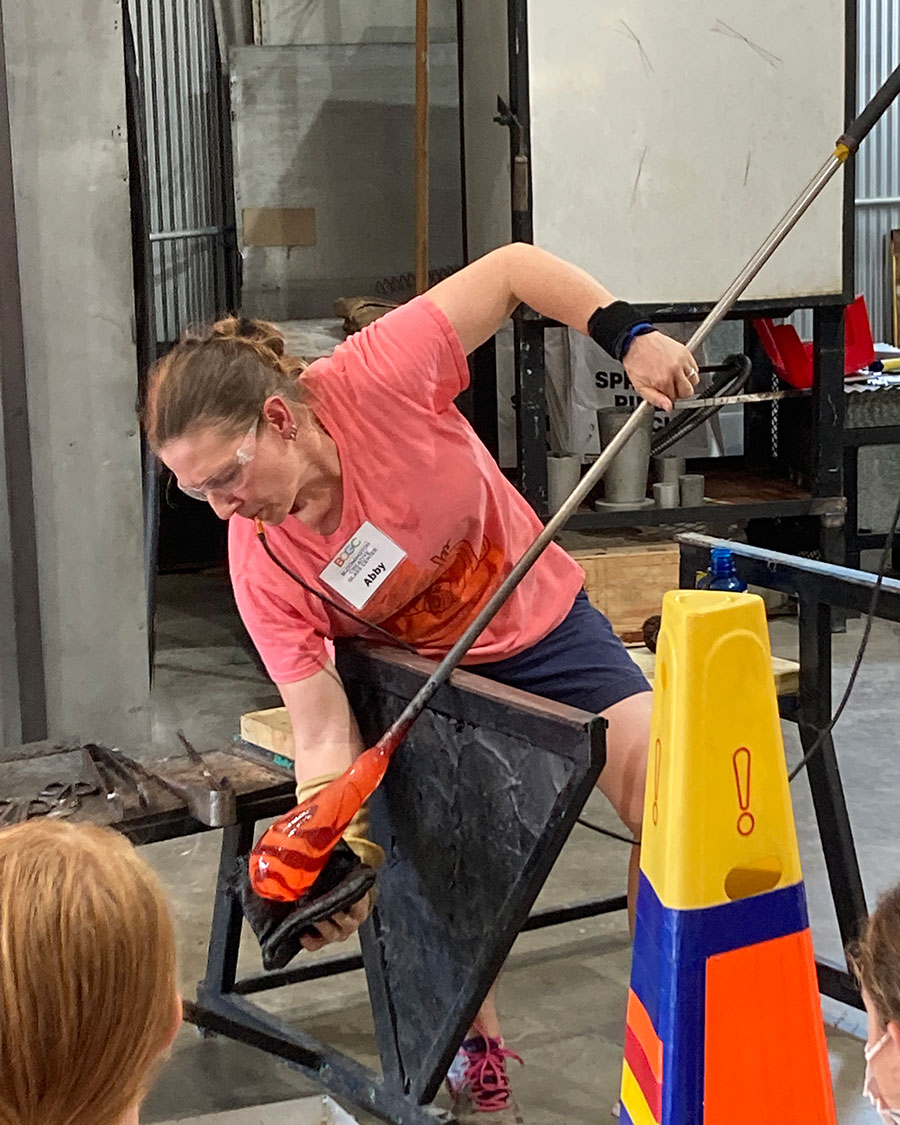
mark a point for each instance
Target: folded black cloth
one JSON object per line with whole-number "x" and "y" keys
{"x": 279, "y": 926}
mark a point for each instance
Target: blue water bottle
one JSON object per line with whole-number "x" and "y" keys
{"x": 721, "y": 574}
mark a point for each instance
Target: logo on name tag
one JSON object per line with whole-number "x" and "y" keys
{"x": 362, "y": 565}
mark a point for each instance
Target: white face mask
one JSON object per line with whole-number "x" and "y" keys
{"x": 870, "y": 1088}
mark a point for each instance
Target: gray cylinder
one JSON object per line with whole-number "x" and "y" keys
{"x": 563, "y": 473}
{"x": 669, "y": 469}
{"x": 626, "y": 477}
{"x": 665, "y": 493}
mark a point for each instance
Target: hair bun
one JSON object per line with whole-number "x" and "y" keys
{"x": 258, "y": 332}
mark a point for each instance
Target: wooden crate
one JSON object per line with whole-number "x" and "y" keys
{"x": 627, "y": 583}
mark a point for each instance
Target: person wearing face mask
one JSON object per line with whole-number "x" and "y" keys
{"x": 876, "y": 961}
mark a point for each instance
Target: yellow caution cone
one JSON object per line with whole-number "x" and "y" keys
{"x": 724, "y": 1023}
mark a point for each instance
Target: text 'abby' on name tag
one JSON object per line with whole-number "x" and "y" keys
{"x": 362, "y": 565}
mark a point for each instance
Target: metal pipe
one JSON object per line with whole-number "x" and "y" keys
{"x": 197, "y": 232}
{"x": 847, "y": 144}
{"x": 184, "y": 275}
{"x": 147, "y": 64}
{"x": 207, "y": 215}
{"x": 170, "y": 275}
{"x": 216, "y": 155}
{"x": 193, "y": 85}
{"x": 880, "y": 201}
{"x": 733, "y": 400}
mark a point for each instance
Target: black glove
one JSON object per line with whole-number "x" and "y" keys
{"x": 279, "y": 926}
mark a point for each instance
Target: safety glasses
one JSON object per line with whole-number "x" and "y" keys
{"x": 230, "y": 476}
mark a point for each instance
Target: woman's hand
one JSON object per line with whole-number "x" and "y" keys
{"x": 341, "y": 926}
{"x": 660, "y": 369}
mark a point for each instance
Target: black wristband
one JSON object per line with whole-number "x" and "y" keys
{"x": 613, "y": 326}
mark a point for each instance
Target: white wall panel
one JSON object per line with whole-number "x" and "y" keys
{"x": 668, "y": 139}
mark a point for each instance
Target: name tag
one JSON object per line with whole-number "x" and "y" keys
{"x": 362, "y": 565}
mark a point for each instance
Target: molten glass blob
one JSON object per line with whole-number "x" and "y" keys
{"x": 289, "y": 856}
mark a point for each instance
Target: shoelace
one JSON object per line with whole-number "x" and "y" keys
{"x": 486, "y": 1074}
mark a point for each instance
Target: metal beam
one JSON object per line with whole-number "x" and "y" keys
{"x": 829, "y": 584}
{"x": 32, "y": 702}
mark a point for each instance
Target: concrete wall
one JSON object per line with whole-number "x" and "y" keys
{"x": 67, "y": 106}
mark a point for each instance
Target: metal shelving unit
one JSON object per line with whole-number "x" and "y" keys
{"x": 855, "y": 439}
{"x": 823, "y": 472}
{"x": 824, "y": 441}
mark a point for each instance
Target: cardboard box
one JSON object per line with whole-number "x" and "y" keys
{"x": 278, "y": 226}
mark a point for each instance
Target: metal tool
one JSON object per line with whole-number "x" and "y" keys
{"x": 15, "y": 810}
{"x": 289, "y": 856}
{"x": 116, "y": 768}
{"x": 66, "y": 796}
{"x": 733, "y": 400}
{"x": 199, "y": 761}
{"x": 215, "y": 807}
{"x": 214, "y": 802}
{"x": 211, "y": 801}
{"x": 90, "y": 772}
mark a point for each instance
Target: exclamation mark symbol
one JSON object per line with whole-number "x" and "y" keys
{"x": 657, "y": 759}
{"x": 746, "y": 820}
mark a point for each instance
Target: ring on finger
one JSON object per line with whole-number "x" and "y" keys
{"x": 694, "y": 375}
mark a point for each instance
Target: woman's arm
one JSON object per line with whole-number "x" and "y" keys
{"x": 478, "y": 299}
{"x": 326, "y": 740}
{"x": 326, "y": 737}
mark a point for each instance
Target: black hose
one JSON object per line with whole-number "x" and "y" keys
{"x": 731, "y": 381}
{"x": 261, "y": 536}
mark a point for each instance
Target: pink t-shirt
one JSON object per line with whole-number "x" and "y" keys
{"x": 413, "y": 469}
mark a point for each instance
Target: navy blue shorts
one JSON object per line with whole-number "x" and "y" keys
{"x": 582, "y": 663}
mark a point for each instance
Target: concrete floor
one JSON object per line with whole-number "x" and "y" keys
{"x": 562, "y": 992}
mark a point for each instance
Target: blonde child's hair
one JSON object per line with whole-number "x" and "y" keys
{"x": 88, "y": 986}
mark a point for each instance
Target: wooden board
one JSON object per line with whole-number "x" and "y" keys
{"x": 786, "y": 672}
{"x": 627, "y": 584}
{"x": 270, "y": 729}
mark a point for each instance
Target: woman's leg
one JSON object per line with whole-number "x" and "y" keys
{"x": 487, "y": 1022}
{"x": 623, "y": 777}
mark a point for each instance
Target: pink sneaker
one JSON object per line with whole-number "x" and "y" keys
{"x": 478, "y": 1083}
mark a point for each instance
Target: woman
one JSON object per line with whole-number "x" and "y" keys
{"x": 364, "y": 457}
{"x": 876, "y": 959}
{"x": 88, "y": 999}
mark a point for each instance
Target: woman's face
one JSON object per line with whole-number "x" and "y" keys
{"x": 268, "y": 472}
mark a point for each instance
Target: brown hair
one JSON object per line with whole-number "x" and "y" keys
{"x": 218, "y": 374}
{"x": 875, "y": 958}
{"x": 87, "y": 975}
